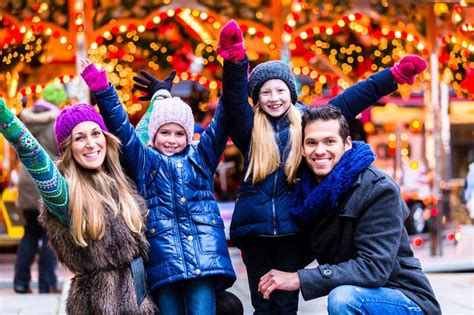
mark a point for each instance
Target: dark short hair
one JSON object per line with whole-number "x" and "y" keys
{"x": 325, "y": 113}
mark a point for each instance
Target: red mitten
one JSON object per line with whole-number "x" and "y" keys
{"x": 407, "y": 68}
{"x": 231, "y": 42}
{"x": 95, "y": 79}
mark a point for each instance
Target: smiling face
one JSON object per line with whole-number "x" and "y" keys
{"x": 88, "y": 145}
{"x": 171, "y": 138}
{"x": 274, "y": 97}
{"x": 323, "y": 146}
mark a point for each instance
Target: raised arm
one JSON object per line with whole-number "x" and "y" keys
{"x": 155, "y": 90}
{"x": 238, "y": 113}
{"x": 365, "y": 93}
{"x": 50, "y": 184}
{"x": 116, "y": 119}
{"x": 214, "y": 139}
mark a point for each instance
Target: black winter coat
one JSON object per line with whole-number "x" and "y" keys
{"x": 262, "y": 209}
{"x": 364, "y": 243}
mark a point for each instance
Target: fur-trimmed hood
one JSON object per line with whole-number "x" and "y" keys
{"x": 30, "y": 116}
{"x": 34, "y": 119}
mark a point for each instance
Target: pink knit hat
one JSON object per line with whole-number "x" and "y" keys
{"x": 171, "y": 110}
{"x": 71, "y": 116}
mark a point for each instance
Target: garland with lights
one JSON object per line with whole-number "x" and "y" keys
{"x": 402, "y": 34}
{"x": 355, "y": 44}
{"x": 256, "y": 10}
{"x": 25, "y": 43}
{"x": 53, "y": 11}
{"x": 356, "y": 48}
{"x": 125, "y": 9}
{"x": 159, "y": 45}
{"x": 456, "y": 55}
{"x": 17, "y": 47}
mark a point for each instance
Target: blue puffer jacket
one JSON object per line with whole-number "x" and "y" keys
{"x": 185, "y": 229}
{"x": 262, "y": 209}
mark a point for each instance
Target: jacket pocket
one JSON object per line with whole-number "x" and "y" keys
{"x": 160, "y": 235}
{"x": 404, "y": 266}
{"x": 210, "y": 233}
{"x": 409, "y": 262}
{"x": 246, "y": 193}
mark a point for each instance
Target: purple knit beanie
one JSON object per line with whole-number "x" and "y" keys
{"x": 73, "y": 115}
{"x": 171, "y": 110}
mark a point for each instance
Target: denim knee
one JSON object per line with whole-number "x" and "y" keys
{"x": 343, "y": 300}
{"x": 350, "y": 299}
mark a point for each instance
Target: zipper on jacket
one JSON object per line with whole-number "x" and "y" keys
{"x": 273, "y": 204}
{"x": 277, "y": 128}
{"x": 173, "y": 195}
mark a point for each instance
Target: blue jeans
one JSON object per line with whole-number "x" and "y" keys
{"x": 189, "y": 297}
{"x": 350, "y": 299}
{"x": 27, "y": 250}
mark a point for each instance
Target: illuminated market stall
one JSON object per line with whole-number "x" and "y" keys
{"x": 330, "y": 45}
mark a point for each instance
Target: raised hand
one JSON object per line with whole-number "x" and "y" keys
{"x": 150, "y": 85}
{"x": 408, "y": 68}
{"x": 231, "y": 42}
{"x": 95, "y": 79}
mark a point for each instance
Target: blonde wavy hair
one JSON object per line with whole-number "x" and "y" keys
{"x": 264, "y": 153}
{"x": 91, "y": 191}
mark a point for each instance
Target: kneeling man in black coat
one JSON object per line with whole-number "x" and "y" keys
{"x": 355, "y": 215}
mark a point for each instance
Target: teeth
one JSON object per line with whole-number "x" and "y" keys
{"x": 92, "y": 154}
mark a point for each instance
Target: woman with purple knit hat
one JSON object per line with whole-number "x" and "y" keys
{"x": 93, "y": 216}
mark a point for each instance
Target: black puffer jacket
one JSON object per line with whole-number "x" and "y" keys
{"x": 262, "y": 209}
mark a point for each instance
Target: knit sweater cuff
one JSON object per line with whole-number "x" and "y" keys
{"x": 6, "y": 117}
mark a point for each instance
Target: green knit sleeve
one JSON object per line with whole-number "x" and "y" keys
{"x": 50, "y": 184}
{"x": 142, "y": 126}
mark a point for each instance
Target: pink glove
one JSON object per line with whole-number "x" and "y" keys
{"x": 231, "y": 43}
{"x": 95, "y": 79}
{"x": 407, "y": 68}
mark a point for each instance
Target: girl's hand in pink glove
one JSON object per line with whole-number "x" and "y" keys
{"x": 95, "y": 79}
{"x": 231, "y": 42}
{"x": 407, "y": 68}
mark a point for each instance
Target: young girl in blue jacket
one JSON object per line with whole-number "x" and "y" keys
{"x": 269, "y": 136}
{"x": 188, "y": 258}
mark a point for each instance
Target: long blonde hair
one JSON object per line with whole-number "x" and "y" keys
{"x": 264, "y": 153}
{"x": 91, "y": 191}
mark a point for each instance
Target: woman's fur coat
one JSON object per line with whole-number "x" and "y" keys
{"x": 103, "y": 281}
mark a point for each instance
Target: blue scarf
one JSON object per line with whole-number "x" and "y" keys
{"x": 314, "y": 200}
